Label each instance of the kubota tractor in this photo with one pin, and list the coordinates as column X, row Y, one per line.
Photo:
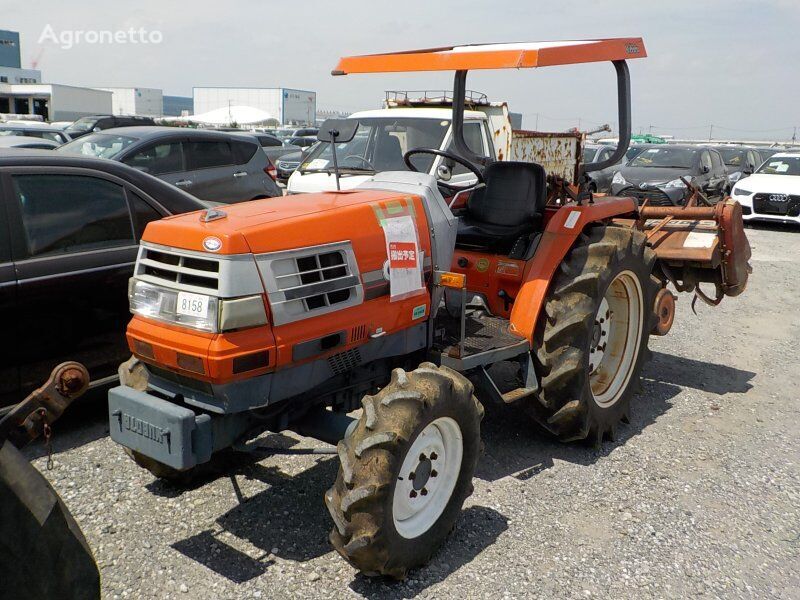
column 288, row 313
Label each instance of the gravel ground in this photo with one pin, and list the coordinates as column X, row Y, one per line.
column 700, row 496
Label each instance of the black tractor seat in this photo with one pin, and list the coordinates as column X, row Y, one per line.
column 507, row 211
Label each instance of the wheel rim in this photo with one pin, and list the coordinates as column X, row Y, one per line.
column 427, row 477
column 614, row 344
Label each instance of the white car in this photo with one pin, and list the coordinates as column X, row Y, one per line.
column 772, row 193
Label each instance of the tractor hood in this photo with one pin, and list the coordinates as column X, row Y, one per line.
column 268, row 225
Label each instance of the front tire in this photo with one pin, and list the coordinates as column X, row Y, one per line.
column 406, row 470
column 591, row 338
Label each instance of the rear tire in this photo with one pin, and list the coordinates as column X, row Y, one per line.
column 405, row 471
column 591, row 338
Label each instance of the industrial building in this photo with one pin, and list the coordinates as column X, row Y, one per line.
column 11, row 70
column 145, row 102
column 177, row 106
column 22, row 93
column 53, row 102
column 286, row 106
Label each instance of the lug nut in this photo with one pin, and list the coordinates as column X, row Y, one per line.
column 434, row 473
column 424, row 492
column 434, row 456
column 413, row 494
column 422, row 457
column 412, row 475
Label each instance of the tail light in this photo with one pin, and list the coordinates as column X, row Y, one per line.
column 271, row 170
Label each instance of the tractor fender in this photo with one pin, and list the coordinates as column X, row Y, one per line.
column 560, row 234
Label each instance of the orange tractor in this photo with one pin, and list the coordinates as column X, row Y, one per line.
column 289, row 313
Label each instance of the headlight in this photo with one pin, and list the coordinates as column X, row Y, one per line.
column 198, row 311
column 678, row 183
column 734, row 177
column 618, row 178
column 737, row 191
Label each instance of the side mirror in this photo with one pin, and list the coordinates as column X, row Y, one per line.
column 443, row 173
column 705, row 169
column 337, row 130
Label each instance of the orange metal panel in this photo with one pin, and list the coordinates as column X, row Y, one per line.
column 495, row 56
column 562, row 230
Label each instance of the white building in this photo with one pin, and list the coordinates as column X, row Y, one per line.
column 53, row 102
column 144, row 102
column 287, row 106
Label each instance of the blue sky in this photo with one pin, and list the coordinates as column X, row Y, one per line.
column 734, row 64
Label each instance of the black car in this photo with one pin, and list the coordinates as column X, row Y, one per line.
column 739, row 161
column 600, row 181
column 35, row 131
column 287, row 164
column 69, row 233
column 86, row 125
column 655, row 173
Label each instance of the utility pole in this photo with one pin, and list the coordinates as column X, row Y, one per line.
column 650, row 130
column 794, row 135
column 537, row 123
column 710, row 132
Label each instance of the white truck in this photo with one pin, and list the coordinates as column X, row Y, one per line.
column 385, row 135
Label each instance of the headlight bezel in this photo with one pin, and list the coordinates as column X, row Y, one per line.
column 737, row 191
column 619, row 178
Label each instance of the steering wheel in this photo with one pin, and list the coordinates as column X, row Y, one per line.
column 454, row 157
column 361, row 158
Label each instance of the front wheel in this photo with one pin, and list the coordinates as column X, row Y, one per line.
column 406, row 470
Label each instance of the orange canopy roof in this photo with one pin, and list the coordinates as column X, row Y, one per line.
column 518, row 55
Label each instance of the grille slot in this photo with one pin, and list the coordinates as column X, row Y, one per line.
column 344, row 361
column 359, row 333
column 177, row 268
column 655, row 197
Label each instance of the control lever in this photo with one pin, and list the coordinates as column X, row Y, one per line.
column 507, row 300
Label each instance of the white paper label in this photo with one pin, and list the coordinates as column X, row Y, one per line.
column 699, row 239
column 317, row 163
column 405, row 262
column 572, row 219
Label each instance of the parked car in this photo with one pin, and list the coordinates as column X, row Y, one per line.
column 19, row 141
column 302, row 142
column 772, row 193
column 47, row 133
column 740, row 162
column 287, row 163
column 272, row 146
column 69, row 229
column 601, row 180
column 655, row 173
column 301, row 132
column 87, row 125
column 767, row 153
column 212, row 165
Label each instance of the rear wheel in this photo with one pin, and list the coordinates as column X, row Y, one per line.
column 591, row 339
column 405, row 471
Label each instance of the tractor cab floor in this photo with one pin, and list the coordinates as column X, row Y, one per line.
column 483, row 333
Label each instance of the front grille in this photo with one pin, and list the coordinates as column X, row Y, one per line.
column 177, row 268
column 307, row 282
column 655, row 197
column 769, row 204
column 288, row 166
column 344, row 361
